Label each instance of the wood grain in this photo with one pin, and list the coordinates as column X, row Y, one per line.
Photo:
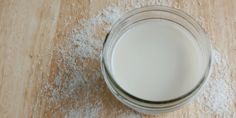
column 29, row 30
column 26, row 32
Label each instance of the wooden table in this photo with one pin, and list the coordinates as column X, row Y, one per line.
column 30, row 30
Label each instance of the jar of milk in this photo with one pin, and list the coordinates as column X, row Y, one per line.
column 155, row 59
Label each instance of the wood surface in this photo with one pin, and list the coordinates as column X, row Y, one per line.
column 29, row 29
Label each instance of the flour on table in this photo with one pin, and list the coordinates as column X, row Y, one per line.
column 78, row 90
column 218, row 95
column 86, row 111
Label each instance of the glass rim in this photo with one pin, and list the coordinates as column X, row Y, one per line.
column 170, row 10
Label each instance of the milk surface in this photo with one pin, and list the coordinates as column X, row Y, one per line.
column 156, row 60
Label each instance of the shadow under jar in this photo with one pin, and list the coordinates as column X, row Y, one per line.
column 155, row 59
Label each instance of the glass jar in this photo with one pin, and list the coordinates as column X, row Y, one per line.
column 124, row 24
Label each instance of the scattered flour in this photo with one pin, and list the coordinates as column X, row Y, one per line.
column 86, row 111
column 218, row 95
column 77, row 88
column 129, row 115
column 86, row 36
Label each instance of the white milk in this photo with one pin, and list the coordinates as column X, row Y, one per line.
column 156, row 60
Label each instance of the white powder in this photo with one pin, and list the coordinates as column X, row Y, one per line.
column 129, row 114
column 77, row 85
column 78, row 90
column 219, row 93
column 85, row 35
column 86, row 111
